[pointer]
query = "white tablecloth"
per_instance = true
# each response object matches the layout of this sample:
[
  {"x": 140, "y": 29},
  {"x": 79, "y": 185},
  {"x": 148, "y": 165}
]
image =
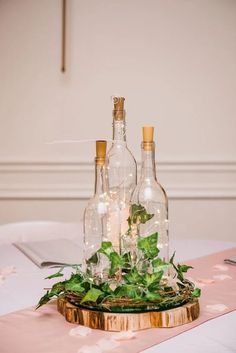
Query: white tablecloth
[{"x": 25, "y": 287}]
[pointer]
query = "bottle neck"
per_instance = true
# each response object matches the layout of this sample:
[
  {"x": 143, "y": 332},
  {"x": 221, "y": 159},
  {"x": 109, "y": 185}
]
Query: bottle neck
[
  {"x": 101, "y": 179},
  {"x": 119, "y": 130},
  {"x": 148, "y": 168}
]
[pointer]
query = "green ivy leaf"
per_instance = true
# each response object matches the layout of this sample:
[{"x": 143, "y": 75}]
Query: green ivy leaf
[
  {"x": 144, "y": 217},
  {"x": 144, "y": 265},
  {"x": 105, "y": 287},
  {"x": 159, "y": 265},
  {"x": 148, "y": 245},
  {"x": 87, "y": 285},
  {"x": 116, "y": 262},
  {"x": 57, "y": 288},
  {"x": 180, "y": 276},
  {"x": 77, "y": 277},
  {"x": 92, "y": 295},
  {"x": 138, "y": 214},
  {"x": 128, "y": 291},
  {"x": 150, "y": 296},
  {"x": 196, "y": 293},
  {"x": 172, "y": 258},
  {"x": 180, "y": 270},
  {"x": 172, "y": 262},
  {"x": 45, "y": 299},
  {"x": 152, "y": 280},
  {"x": 126, "y": 260},
  {"x": 106, "y": 248},
  {"x": 57, "y": 274},
  {"x": 135, "y": 211},
  {"x": 133, "y": 277},
  {"x": 74, "y": 286},
  {"x": 184, "y": 268},
  {"x": 93, "y": 259}
]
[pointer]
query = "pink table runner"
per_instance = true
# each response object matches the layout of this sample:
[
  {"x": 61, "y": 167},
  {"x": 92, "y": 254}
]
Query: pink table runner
[{"x": 46, "y": 331}]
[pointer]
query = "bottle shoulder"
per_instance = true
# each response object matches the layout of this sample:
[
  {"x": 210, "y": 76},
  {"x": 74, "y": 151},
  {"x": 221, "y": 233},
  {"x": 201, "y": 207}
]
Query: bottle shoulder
[
  {"x": 149, "y": 190},
  {"x": 120, "y": 151},
  {"x": 101, "y": 203},
  {"x": 121, "y": 160},
  {"x": 96, "y": 200}
]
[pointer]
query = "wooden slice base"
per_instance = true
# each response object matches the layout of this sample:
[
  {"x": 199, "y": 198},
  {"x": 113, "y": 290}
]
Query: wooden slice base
[{"x": 128, "y": 321}]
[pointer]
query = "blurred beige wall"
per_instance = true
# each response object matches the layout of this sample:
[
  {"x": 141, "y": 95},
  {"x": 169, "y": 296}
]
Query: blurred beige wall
[{"x": 174, "y": 61}]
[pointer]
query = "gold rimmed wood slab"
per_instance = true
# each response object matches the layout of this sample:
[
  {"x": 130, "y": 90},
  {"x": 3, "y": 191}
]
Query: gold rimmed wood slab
[{"x": 128, "y": 321}]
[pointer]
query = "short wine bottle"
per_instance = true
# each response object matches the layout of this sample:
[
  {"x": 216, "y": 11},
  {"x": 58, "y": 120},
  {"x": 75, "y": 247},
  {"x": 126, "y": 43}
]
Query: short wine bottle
[
  {"x": 122, "y": 167},
  {"x": 150, "y": 194},
  {"x": 100, "y": 216}
]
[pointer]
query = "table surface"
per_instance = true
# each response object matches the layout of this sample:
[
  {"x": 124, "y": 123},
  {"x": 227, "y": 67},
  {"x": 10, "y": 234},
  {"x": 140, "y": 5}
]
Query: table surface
[{"x": 24, "y": 288}]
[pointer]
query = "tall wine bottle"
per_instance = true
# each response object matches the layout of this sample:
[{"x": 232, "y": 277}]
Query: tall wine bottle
[
  {"x": 100, "y": 216},
  {"x": 150, "y": 194},
  {"x": 122, "y": 167}
]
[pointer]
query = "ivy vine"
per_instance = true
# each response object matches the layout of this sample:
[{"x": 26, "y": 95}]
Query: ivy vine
[{"x": 149, "y": 283}]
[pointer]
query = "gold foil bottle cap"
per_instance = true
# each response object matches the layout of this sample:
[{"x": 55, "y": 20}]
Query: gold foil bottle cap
[
  {"x": 148, "y": 132},
  {"x": 101, "y": 147},
  {"x": 118, "y": 112}
]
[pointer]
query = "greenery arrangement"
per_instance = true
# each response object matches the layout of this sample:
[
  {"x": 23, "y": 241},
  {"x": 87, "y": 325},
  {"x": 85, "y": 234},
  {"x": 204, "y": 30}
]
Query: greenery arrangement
[{"x": 132, "y": 283}]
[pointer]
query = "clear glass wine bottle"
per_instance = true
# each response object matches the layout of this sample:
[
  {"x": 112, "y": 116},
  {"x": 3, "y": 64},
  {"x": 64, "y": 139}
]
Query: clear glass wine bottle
[
  {"x": 122, "y": 167},
  {"x": 150, "y": 194},
  {"x": 100, "y": 217}
]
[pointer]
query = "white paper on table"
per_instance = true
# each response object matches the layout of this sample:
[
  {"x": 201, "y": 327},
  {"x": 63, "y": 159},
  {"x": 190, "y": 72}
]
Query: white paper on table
[{"x": 51, "y": 253}]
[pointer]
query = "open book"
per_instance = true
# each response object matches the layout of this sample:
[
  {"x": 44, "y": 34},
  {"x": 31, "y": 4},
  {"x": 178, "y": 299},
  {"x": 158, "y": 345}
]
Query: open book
[{"x": 52, "y": 253}]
